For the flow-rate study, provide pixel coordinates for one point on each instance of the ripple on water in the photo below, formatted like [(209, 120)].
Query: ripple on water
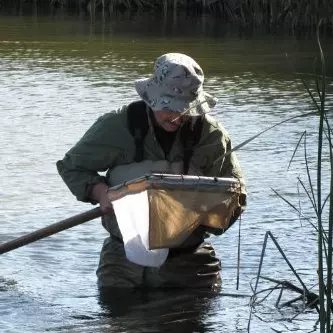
[(54, 95)]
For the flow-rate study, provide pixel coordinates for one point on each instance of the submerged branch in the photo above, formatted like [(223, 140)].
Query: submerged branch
[(310, 297), (305, 290)]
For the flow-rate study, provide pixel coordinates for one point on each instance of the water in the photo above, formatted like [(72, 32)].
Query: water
[(57, 77)]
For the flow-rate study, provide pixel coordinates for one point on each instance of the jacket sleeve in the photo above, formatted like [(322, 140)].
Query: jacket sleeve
[(213, 155), (102, 147), (215, 159)]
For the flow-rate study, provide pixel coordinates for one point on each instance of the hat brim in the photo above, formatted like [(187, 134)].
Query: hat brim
[(158, 100)]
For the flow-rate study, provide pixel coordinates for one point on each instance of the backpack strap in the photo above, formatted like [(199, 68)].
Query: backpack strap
[(137, 120), (190, 135), (138, 126)]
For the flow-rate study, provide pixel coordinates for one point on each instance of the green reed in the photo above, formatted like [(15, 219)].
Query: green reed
[(314, 192), (318, 203), (291, 15), (323, 225)]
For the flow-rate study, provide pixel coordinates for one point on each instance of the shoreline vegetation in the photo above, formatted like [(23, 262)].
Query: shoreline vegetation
[(288, 16), (318, 192)]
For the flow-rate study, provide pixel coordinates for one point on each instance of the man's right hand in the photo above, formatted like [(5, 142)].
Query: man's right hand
[(99, 193)]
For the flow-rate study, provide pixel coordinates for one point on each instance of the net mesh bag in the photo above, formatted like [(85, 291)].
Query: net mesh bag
[(179, 204)]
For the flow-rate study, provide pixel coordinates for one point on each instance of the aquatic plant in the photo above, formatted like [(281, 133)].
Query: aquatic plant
[(314, 192), (285, 15)]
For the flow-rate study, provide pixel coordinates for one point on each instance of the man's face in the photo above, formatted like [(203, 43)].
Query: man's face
[(169, 120)]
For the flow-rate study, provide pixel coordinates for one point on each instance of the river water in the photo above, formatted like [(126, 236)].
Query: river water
[(58, 74)]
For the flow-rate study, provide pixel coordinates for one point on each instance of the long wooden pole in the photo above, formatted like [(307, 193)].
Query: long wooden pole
[(50, 230)]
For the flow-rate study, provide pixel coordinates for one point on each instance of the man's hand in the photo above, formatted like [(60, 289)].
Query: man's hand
[(99, 193)]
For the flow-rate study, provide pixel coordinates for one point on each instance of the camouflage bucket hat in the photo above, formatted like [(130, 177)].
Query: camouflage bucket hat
[(176, 85)]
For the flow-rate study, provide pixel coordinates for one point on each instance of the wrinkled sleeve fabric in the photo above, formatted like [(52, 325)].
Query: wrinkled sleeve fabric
[(214, 158), (212, 154), (104, 145)]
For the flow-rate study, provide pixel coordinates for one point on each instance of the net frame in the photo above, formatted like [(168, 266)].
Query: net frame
[(178, 204)]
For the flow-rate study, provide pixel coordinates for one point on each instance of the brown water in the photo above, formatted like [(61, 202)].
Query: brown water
[(57, 76)]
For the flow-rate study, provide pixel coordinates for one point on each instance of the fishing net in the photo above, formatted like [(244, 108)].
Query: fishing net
[(178, 204)]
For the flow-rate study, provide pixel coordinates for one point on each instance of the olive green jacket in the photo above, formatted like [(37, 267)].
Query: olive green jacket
[(109, 143)]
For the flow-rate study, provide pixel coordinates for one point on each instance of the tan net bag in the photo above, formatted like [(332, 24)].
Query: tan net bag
[(178, 204)]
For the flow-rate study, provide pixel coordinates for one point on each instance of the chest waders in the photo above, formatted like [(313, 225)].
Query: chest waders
[(195, 266)]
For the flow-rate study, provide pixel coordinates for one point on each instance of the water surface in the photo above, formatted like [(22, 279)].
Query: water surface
[(57, 76)]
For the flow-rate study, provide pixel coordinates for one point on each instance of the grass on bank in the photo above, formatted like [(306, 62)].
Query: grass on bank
[(289, 15)]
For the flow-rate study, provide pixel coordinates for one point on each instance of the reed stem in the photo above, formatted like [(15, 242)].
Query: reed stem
[(288, 15)]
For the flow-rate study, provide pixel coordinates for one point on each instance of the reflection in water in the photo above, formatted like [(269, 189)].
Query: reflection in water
[(157, 311), (249, 16), (57, 77), (140, 39)]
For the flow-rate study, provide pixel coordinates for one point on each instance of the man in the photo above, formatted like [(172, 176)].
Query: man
[(172, 99)]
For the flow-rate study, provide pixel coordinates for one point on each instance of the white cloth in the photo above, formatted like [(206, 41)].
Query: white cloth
[(132, 212)]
